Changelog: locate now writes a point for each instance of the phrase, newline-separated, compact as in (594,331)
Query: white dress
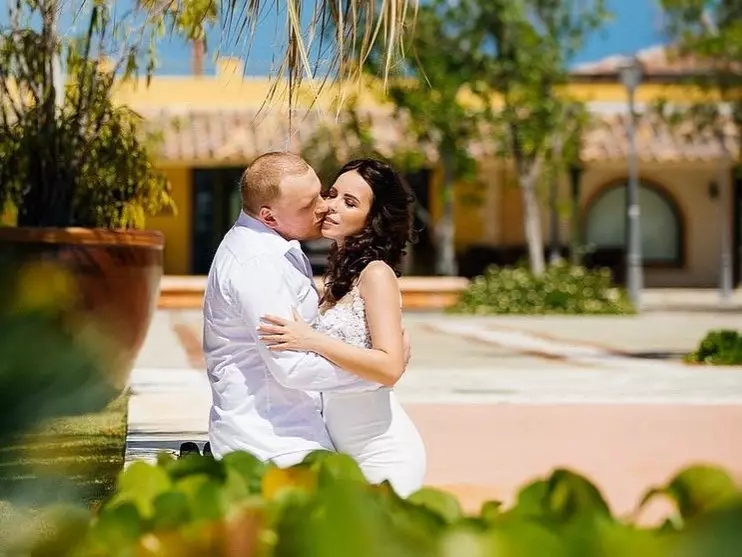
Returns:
(370,426)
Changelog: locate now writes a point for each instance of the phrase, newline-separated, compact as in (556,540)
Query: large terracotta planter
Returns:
(117,274)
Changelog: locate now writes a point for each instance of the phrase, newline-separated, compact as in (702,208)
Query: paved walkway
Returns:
(499,401)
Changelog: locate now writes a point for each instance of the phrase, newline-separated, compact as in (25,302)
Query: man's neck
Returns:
(257,219)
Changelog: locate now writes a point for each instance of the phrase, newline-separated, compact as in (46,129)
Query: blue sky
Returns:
(636,25)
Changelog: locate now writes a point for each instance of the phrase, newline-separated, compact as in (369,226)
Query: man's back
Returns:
(254,270)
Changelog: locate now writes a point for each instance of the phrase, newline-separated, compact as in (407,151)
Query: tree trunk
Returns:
(445,260)
(527,177)
(554,240)
(48,200)
(575,237)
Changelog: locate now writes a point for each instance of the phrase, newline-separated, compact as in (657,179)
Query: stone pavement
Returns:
(500,400)
(650,336)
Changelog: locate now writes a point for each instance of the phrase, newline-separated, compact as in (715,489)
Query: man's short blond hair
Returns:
(260,183)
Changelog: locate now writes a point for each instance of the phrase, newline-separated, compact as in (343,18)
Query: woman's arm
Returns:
(383,363)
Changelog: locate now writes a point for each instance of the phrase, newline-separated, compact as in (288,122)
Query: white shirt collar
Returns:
(277,241)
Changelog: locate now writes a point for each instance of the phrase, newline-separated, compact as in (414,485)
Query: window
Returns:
(660,225)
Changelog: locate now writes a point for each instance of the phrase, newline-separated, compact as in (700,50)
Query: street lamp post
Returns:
(725,207)
(631,74)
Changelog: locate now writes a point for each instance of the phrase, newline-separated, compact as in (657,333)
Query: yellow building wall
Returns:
(228,89)
(177,227)
(645,93)
(498,218)
(468,199)
(687,184)
(487,212)
(8,215)
(511,212)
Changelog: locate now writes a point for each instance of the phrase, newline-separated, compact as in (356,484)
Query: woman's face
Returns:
(348,204)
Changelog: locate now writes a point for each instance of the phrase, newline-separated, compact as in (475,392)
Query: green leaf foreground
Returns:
(323,507)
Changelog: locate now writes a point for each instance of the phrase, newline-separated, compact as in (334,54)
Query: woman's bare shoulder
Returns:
(378,279)
(377,270)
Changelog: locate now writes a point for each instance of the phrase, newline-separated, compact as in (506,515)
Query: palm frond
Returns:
(324,41)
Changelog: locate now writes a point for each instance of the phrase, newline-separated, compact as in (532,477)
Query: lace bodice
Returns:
(346,320)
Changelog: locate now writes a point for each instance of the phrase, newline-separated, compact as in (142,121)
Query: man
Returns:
(264,402)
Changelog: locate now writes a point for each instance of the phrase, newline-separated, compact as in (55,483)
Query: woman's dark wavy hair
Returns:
(388,229)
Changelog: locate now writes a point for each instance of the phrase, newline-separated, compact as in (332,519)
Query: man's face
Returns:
(300,208)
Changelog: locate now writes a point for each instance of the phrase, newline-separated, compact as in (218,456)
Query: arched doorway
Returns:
(660,223)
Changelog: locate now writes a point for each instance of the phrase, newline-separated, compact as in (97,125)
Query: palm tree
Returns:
(325,41)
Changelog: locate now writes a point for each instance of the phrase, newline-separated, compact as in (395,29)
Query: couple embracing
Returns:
(293,371)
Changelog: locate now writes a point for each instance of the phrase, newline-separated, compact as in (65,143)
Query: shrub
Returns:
(722,347)
(73,157)
(562,289)
(323,507)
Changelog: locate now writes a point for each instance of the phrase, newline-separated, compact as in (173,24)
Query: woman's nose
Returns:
(331,205)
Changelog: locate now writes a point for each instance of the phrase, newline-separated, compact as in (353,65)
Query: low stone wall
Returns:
(419,293)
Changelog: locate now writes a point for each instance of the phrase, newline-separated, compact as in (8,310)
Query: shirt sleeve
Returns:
(261,286)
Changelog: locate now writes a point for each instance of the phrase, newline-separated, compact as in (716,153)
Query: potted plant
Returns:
(76,173)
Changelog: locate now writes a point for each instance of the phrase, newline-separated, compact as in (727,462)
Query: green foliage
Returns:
(424,89)
(323,508)
(521,52)
(514,52)
(66,376)
(512,57)
(561,289)
(497,91)
(533,42)
(332,145)
(709,32)
(695,492)
(429,95)
(722,347)
(428,90)
(71,157)
(710,29)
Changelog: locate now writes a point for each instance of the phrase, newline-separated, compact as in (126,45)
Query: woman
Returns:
(359,327)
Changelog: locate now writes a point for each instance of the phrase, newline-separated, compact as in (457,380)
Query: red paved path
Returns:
(487,451)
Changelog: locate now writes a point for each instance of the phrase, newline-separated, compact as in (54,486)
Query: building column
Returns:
(737,224)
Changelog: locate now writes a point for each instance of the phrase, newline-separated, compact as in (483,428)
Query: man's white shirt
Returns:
(264,402)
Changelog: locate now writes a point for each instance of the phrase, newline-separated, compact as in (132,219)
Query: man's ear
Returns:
(265,215)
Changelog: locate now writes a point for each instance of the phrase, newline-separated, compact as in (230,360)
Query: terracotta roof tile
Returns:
(657,61)
(607,139)
(237,136)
